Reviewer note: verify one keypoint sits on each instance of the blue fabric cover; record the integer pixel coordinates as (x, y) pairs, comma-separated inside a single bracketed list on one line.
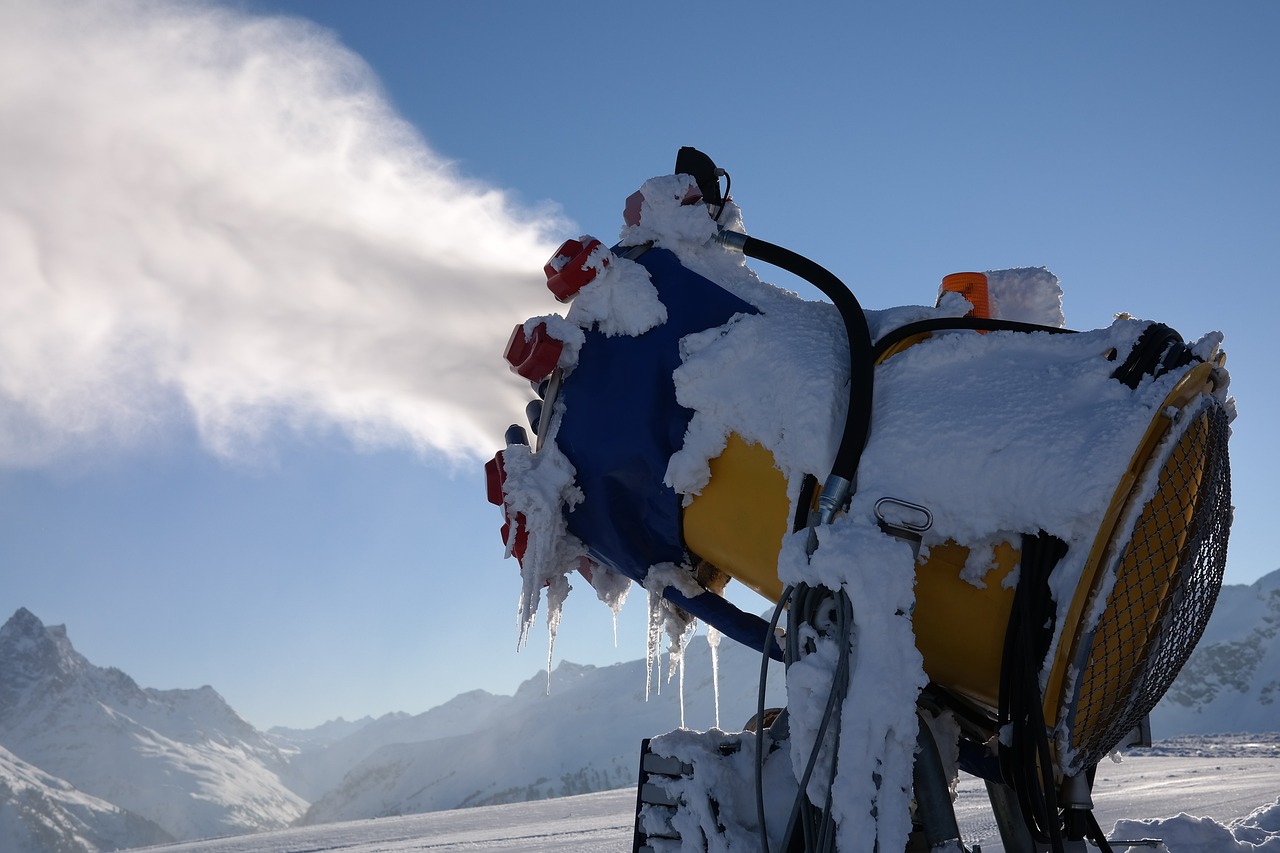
[(622, 424)]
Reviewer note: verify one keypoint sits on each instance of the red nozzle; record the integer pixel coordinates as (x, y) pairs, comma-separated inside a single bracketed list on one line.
[(495, 475), (535, 356), (495, 478), (631, 211), (567, 271)]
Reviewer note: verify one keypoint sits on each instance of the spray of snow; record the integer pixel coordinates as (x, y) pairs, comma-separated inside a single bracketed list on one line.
[(218, 219)]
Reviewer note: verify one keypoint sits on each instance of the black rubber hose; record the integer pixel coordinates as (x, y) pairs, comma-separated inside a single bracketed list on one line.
[(946, 324), (857, 422)]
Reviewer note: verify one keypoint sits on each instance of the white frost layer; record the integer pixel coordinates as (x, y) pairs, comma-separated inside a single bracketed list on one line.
[(621, 300), (1006, 432), (877, 738), (756, 376)]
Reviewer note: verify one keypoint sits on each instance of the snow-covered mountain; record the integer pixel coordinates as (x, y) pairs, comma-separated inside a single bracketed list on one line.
[(182, 759), (1231, 683), (314, 772), (322, 735), (584, 735), (40, 813)]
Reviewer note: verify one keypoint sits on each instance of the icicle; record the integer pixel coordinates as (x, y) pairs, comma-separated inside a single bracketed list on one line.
[(611, 587), (680, 629), (713, 640), (665, 617), (557, 590), (655, 640), (680, 668)]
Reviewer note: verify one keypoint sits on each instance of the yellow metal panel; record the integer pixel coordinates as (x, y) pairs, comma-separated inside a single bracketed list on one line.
[(960, 627), (738, 521)]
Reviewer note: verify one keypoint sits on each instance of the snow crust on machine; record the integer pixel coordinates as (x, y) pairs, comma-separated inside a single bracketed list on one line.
[(1026, 295), (997, 434)]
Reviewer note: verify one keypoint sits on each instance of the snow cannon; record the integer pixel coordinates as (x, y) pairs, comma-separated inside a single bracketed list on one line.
[(1055, 503)]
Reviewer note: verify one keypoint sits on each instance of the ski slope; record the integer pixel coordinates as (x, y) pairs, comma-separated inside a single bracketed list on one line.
[(1223, 788)]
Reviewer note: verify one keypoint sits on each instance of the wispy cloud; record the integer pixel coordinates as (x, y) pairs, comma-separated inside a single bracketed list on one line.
[(216, 217)]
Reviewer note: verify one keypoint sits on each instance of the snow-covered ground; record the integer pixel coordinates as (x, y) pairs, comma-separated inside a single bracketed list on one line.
[(1222, 779), (590, 822)]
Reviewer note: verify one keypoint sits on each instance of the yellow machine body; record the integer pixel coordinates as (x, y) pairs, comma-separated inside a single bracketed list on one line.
[(740, 518)]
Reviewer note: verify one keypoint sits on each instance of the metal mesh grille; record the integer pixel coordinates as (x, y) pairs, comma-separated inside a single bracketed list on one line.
[(1167, 580)]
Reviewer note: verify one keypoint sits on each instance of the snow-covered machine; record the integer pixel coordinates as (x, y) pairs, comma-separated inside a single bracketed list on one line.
[(990, 542)]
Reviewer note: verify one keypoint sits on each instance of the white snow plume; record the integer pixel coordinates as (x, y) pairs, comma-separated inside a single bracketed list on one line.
[(214, 217)]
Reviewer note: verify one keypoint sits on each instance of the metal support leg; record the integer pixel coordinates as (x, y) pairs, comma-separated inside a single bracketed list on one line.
[(1014, 834), (934, 810)]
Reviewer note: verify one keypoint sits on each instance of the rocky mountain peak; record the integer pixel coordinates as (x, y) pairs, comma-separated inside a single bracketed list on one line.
[(31, 653), (181, 758)]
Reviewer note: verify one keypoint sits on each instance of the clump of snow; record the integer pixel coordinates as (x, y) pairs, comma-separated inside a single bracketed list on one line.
[(755, 377), (621, 300), (1026, 295), (687, 230), (717, 801), (667, 220), (1258, 832), (1207, 346), (1006, 432)]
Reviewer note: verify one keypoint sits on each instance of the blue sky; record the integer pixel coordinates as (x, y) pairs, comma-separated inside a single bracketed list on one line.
[(308, 571)]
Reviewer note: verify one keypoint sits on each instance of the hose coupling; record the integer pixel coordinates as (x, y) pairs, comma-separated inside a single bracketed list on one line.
[(835, 494), (734, 241)]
